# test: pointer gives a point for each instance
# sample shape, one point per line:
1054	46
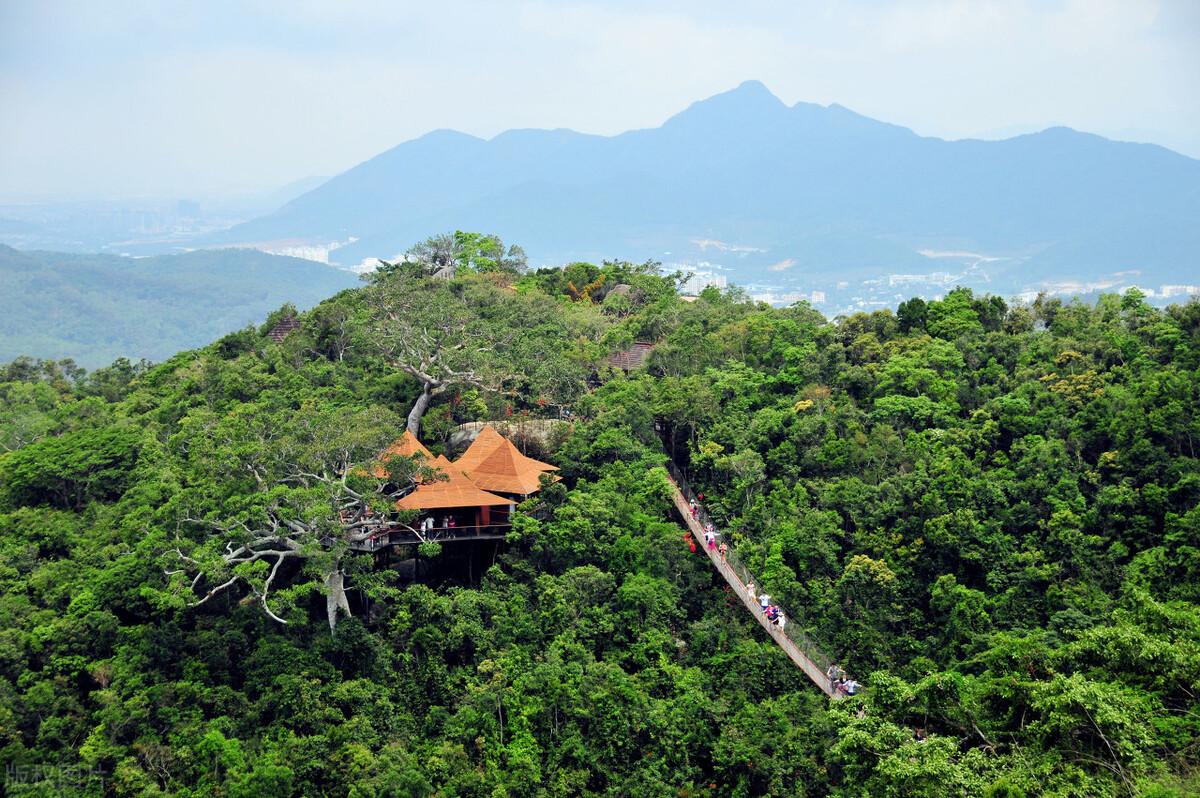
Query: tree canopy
989	513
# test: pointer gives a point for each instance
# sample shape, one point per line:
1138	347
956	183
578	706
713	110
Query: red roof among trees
283	329
406	445
456	490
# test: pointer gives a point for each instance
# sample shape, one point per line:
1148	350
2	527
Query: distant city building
701	280
296	248
320	254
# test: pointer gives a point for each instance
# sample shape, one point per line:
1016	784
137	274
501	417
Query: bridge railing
791	630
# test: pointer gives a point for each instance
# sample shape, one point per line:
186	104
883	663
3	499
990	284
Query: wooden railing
396	534
798	646
390	534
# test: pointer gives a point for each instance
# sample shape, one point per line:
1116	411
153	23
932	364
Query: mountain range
800	196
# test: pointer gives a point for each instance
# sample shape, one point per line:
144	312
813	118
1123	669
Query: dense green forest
990	514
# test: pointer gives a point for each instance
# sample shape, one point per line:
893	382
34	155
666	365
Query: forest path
803	660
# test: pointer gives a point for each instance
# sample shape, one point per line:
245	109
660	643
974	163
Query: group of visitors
773	614
710	538
839	683
429	523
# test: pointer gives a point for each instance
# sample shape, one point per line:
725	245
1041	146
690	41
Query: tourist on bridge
780	621
750	587
833	673
723	549
764	601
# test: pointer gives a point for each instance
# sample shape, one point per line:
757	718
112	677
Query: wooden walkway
811	669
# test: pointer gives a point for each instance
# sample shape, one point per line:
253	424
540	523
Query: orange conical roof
508	471
455	491
405	446
486	442
498	465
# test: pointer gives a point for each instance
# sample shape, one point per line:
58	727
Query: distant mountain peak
747	93
750	99
753	87
835	191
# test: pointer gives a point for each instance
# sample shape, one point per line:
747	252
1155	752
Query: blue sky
123	98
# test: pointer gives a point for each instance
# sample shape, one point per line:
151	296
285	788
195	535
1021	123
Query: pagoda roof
406	445
454	491
507	471
493	463
486	442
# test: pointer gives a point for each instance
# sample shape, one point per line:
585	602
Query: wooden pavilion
455	502
456	505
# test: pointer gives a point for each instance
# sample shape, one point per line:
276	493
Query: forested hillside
991	515
96	308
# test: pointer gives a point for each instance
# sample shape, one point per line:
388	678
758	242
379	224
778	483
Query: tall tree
449	255
446	335
274	489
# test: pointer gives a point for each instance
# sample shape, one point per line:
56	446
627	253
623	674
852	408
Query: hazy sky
121	98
